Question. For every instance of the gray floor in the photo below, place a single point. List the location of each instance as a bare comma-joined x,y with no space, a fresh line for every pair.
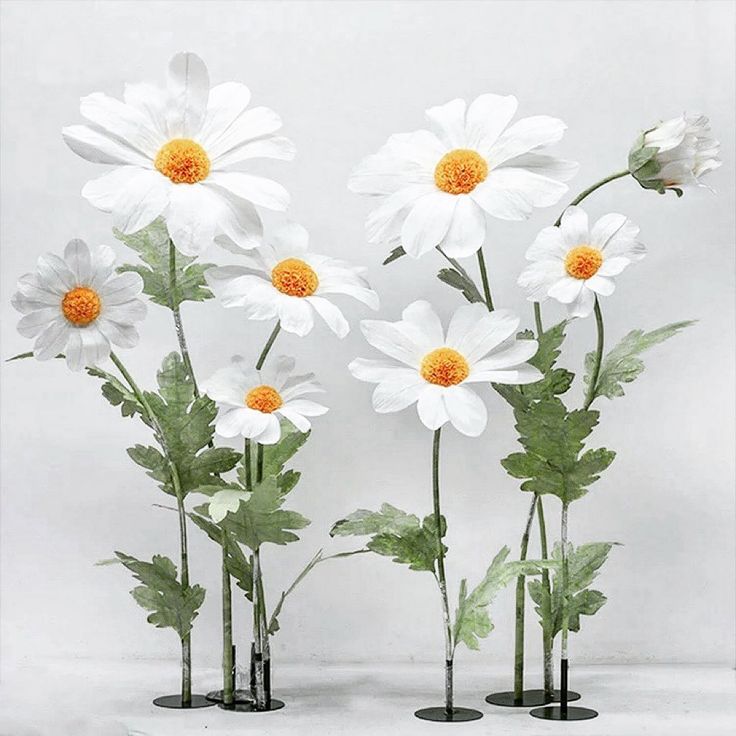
104,699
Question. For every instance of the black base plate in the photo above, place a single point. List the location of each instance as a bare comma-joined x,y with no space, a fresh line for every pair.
554,713
241,696
530,698
440,714
174,701
250,707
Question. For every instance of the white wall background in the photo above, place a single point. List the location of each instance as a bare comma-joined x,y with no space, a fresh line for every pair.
344,76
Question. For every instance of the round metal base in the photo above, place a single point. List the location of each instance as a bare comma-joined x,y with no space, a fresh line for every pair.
174,701
571,696
239,707
529,699
554,713
440,714
241,696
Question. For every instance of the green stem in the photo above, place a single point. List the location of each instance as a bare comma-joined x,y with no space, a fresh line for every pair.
186,674
259,463
538,319
520,610
441,578
484,279
267,347
228,664
547,641
597,358
591,189
565,577
248,465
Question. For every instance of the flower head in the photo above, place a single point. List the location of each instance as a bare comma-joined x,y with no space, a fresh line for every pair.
437,186
674,154
77,305
172,149
434,369
250,402
283,280
574,262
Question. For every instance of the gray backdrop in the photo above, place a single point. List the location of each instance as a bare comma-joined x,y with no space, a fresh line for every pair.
344,76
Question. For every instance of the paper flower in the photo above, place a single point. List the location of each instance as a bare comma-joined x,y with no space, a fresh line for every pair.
284,281
437,186
78,306
171,150
573,262
675,154
434,369
250,402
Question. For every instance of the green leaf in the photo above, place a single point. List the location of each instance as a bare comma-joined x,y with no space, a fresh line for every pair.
118,394
396,534
622,364
152,245
171,605
394,255
277,455
462,282
552,439
472,621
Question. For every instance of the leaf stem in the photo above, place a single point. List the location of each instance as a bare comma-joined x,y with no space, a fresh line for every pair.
441,578
484,279
267,347
547,624
228,663
597,358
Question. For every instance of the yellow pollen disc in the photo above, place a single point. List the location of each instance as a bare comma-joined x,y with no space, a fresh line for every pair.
294,277
183,160
263,398
583,262
81,305
460,171
444,367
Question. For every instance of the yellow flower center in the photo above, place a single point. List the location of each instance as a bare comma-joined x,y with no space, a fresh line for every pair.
583,262
183,160
81,305
264,398
294,277
444,367
460,171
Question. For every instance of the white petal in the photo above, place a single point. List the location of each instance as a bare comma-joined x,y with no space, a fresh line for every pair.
191,217
150,100
376,371
238,224
574,227
295,315
389,338
258,122
79,260
99,148
538,278
256,189
291,239
398,392
474,331
500,201
307,408
103,264
300,422
52,340
520,375
86,346
126,312
427,223
275,147
188,90
549,244
448,122
600,285
583,305
524,136
424,319
54,274
545,165
271,433
487,117
506,356
538,191
613,266
37,321
121,289
566,290
616,235
466,410
330,314
385,221
467,229
241,421
123,335
431,407
35,294
226,102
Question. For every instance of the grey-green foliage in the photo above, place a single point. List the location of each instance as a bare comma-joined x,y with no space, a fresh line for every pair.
622,364
553,460
153,246
584,563
171,604
118,394
458,279
396,534
394,255
188,429
472,620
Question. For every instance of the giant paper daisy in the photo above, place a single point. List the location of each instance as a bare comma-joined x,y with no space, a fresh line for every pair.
283,280
435,369
573,263
250,402
172,150
78,306
437,186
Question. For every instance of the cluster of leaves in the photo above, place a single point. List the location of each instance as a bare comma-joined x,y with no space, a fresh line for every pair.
584,563
171,604
155,250
396,534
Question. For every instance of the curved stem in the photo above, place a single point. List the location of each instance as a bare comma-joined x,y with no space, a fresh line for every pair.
547,639
267,347
484,279
597,358
186,675
441,578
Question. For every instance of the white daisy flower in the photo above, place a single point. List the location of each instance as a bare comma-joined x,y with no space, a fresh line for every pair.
285,281
250,402
573,262
78,306
437,186
674,154
435,369
172,150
